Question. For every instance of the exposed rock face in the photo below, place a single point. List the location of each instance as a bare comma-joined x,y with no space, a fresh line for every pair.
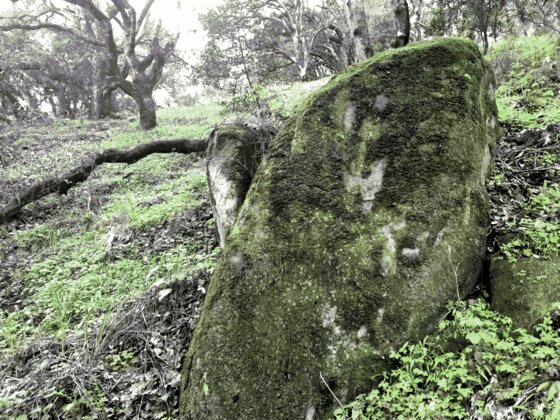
232,157
365,218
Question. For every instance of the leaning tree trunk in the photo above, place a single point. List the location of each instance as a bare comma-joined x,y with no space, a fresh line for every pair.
63,183
366,216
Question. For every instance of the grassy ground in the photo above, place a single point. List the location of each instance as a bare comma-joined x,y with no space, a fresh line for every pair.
133,239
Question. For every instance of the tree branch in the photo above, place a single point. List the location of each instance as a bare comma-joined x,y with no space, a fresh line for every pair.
51,27
81,173
144,13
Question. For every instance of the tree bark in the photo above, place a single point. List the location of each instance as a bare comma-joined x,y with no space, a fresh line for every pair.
416,20
233,154
81,173
147,110
402,23
101,103
360,47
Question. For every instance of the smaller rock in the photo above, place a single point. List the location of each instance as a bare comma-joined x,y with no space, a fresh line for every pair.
232,157
525,290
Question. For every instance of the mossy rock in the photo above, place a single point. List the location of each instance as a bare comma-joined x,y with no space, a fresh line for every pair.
233,154
525,290
367,215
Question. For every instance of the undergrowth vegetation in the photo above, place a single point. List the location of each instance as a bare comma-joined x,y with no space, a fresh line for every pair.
538,236
70,263
528,95
476,366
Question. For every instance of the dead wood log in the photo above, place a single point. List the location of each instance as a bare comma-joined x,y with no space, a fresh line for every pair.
79,174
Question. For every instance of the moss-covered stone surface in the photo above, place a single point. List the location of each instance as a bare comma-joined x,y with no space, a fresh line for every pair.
525,290
233,154
366,216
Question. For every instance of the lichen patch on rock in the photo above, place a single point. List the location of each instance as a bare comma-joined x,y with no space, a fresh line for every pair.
371,185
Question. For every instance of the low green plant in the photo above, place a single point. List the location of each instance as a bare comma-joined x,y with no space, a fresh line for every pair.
476,361
150,206
9,329
253,101
38,237
123,360
538,230
79,283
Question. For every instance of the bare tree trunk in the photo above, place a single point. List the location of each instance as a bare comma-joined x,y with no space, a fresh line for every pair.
63,105
52,103
402,23
356,19
485,43
31,100
416,20
146,108
101,103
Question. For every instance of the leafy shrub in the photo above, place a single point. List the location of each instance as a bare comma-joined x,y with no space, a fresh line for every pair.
494,368
252,101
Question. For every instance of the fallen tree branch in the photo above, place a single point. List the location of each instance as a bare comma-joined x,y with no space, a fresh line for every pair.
80,173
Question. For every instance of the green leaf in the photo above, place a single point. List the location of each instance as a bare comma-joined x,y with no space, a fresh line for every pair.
474,338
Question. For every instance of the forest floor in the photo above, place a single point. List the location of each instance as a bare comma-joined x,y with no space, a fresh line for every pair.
99,288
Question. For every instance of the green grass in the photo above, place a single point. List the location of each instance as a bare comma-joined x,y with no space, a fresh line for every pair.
82,279
38,237
285,98
529,91
84,263
146,206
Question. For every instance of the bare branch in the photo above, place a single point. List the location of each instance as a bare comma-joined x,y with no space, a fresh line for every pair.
145,11
51,27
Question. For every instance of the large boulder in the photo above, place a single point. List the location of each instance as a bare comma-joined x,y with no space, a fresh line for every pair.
366,216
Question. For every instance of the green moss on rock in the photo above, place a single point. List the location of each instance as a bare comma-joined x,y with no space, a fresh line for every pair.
366,216
233,154
525,290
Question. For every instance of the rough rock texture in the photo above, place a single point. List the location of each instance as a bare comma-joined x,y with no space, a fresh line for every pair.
525,290
232,157
366,216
